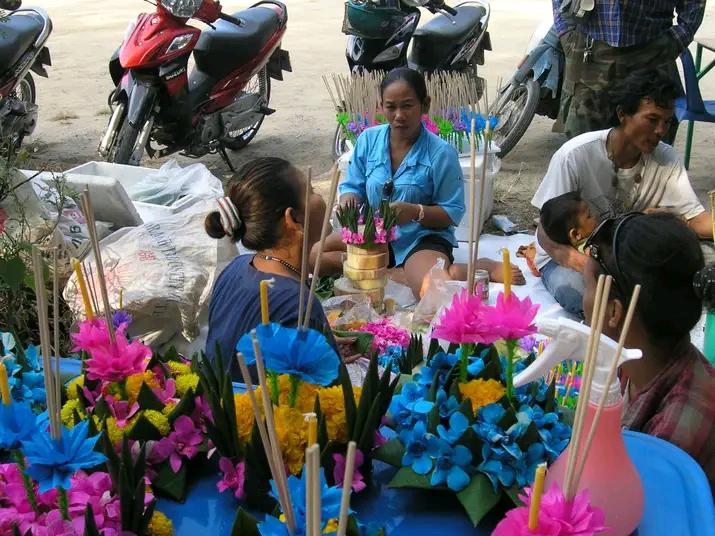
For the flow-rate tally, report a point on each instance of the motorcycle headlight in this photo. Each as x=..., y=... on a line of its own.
x=182, y=8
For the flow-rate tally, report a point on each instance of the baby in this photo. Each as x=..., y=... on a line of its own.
x=566, y=219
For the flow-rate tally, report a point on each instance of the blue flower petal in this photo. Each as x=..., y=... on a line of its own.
x=457, y=478
x=422, y=465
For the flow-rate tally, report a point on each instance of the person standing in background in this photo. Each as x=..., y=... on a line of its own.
x=609, y=41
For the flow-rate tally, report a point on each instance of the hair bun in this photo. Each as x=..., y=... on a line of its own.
x=213, y=225
x=704, y=285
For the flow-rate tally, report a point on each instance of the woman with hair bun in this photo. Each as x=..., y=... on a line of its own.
x=265, y=211
x=670, y=391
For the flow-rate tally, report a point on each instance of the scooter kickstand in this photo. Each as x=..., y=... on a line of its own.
x=224, y=157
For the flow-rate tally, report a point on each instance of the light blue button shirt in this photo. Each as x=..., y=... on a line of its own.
x=430, y=174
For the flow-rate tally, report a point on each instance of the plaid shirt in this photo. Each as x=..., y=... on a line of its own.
x=624, y=23
x=679, y=406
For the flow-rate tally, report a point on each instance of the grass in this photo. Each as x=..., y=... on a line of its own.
x=65, y=116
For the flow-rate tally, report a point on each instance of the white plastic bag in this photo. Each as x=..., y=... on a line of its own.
x=166, y=270
x=171, y=182
x=439, y=293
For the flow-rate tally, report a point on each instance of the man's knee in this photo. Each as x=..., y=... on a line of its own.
x=570, y=298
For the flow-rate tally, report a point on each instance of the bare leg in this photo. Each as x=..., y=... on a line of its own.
x=496, y=272
x=334, y=253
x=417, y=269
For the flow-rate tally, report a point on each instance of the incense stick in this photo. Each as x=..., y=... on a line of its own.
x=91, y=227
x=347, y=488
x=321, y=246
x=281, y=483
x=472, y=208
x=308, y=468
x=305, y=252
x=44, y=330
x=89, y=277
x=56, y=324
x=259, y=421
x=481, y=193
x=609, y=380
x=585, y=391
x=313, y=482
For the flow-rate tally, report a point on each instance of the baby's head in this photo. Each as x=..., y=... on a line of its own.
x=566, y=219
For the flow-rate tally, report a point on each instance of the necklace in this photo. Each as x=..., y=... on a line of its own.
x=612, y=157
x=281, y=261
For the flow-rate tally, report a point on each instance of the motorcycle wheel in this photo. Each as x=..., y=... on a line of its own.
x=339, y=143
x=260, y=83
x=515, y=114
x=121, y=151
x=24, y=92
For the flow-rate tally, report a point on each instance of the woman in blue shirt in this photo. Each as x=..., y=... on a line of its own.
x=420, y=174
x=265, y=210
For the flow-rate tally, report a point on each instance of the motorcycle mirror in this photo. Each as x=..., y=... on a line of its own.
x=10, y=5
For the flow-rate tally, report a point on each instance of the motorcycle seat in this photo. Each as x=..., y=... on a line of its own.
x=17, y=36
x=225, y=48
x=454, y=29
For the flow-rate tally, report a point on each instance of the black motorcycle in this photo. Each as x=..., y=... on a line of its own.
x=23, y=33
x=380, y=33
x=535, y=88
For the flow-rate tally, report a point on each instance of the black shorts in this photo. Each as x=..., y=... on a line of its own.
x=430, y=243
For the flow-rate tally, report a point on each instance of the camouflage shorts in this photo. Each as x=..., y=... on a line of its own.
x=585, y=105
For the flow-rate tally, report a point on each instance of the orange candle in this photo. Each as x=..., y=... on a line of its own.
x=312, y=430
x=536, y=493
x=82, y=284
x=507, y=272
x=4, y=385
x=264, y=284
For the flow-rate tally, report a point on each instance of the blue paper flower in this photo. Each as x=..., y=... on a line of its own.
x=302, y=353
x=458, y=424
x=17, y=423
x=329, y=506
x=447, y=406
x=52, y=463
x=391, y=357
x=451, y=464
x=555, y=439
x=416, y=455
x=437, y=369
x=409, y=406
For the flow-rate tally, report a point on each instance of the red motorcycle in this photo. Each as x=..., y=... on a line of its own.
x=158, y=107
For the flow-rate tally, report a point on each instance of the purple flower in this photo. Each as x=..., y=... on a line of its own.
x=183, y=442
x=234, y=477
x=121, y=318
x=339, y=472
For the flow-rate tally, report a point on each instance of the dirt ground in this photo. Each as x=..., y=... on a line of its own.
x=73, y=109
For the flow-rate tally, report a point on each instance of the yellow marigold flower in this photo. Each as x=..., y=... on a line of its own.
x=72, y=387
x=482, y=392
x=67, y=412
x=170, y=406
x=305, y=401
x=244, y=416
x=158, y=420
x=292, y=436
x=332, y=404
x=331, y=526
x=135, y=381
x=186, y=382
x=178, y=369
x=115, y=433
x=160, y=525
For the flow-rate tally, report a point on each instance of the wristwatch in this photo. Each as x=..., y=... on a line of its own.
x=421, y=215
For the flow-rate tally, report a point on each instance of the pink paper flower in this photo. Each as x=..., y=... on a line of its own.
x=234, y=477
x=557, y=516
x=346, y=235
x=339, y=472
x=109, y=361
x=513, y=318
x=379, y=223
x=121, y=410
x=466, y=320
x=357, y=239
x=386, y=335
x=183, y=442
x=429, y=124
x=381, y=237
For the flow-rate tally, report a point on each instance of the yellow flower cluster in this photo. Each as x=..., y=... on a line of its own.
x=305, y=400
x=244, y=416
x=115, y=433
x=170, y=406
x=482, y=392
x=67, y=412
x=292, y=436
x=72, y=387
x=331, y=527
x=185, y=382
x=160, y=525
x=159, y=421
x=332, y=404
x=178, y=369
x=135, y=381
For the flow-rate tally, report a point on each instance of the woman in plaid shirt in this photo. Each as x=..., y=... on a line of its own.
x=670, y=392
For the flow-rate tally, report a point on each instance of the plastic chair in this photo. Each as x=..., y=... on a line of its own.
x=692, y=108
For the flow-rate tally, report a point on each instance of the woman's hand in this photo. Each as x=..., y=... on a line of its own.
x=348, y=351
x=407, y=212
